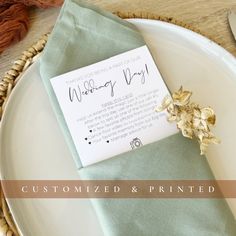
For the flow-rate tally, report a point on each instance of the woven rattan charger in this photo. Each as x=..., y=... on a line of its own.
x=10, y=79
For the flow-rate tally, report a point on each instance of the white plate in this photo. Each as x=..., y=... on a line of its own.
x=32, y=146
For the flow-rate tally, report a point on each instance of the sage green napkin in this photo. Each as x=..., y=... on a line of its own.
x=83, y=35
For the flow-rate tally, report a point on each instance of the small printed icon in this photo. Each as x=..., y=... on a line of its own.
x=136, y=143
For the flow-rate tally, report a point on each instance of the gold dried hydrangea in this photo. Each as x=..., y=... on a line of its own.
x=192, y=120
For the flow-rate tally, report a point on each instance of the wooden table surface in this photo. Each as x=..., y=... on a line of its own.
x=208, y=16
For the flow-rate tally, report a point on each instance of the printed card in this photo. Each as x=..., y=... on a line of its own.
x=109, y=106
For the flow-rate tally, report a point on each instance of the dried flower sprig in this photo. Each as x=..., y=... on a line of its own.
x=192, y=120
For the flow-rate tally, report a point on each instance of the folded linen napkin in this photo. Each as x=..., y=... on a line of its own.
x=84, y=35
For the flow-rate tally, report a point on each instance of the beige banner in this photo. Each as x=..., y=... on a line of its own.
x=119, y=188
